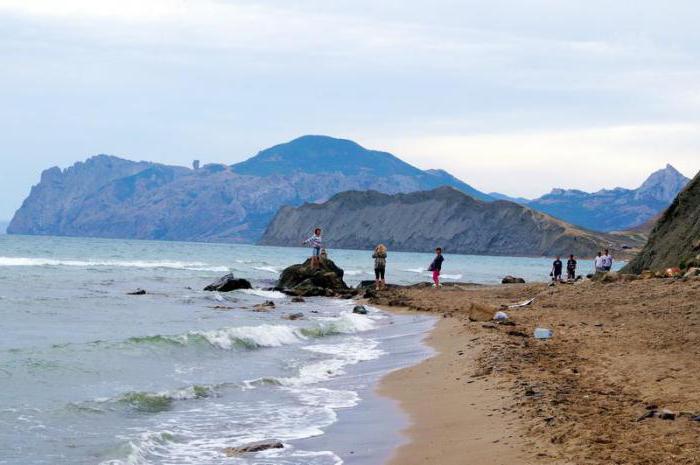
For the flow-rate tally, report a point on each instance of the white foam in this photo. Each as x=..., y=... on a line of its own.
x=347, y=353
x=415, y=270
x=451, y=276
x=258, y=336
x=269, y=269
x=354, y=272
x=317, y=397
x=177, y=265
x=264, y=293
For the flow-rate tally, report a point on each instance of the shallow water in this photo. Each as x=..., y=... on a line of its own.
x=91, y=375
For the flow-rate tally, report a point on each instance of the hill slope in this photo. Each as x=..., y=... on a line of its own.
x=614, y=209
x=111, y=197
x=676, y=237
x=444, y=217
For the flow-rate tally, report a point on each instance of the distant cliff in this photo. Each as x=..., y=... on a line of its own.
x=106, y=196
x=675, y=239
x=442, y=217
x=613, y=209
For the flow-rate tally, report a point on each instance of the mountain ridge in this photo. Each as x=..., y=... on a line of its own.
x=107, y=196
x=615, y=209
x=420, y=221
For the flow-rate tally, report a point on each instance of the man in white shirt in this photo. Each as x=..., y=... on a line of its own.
x=607, y=261
x=598, y=263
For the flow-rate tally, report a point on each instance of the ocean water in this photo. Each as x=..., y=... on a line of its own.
x=91, y=375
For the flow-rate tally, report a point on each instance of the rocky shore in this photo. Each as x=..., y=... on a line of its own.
x=615, y=382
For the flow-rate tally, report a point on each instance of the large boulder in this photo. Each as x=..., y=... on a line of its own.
x=512, y=280
x=305, y=280
x=228, y=283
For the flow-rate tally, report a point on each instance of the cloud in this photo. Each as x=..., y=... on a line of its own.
x=531, y=163
x=521, y=84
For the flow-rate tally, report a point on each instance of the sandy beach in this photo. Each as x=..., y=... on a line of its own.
x=623, y=357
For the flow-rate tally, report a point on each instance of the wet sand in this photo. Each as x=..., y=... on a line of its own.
x=495, y=395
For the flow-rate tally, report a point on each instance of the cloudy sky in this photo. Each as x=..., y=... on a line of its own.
x=516, y=96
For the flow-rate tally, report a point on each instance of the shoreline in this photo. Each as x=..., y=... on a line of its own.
x=451, y=414
x=611, y=385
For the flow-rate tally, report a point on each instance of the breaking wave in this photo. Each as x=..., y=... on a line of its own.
x=175, y=265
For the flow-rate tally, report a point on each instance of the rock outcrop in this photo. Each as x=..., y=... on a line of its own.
x=107, y=196
x=675, y=240
x=443, y=217
x=228, y=283
x=253, y=447
x=308, y=281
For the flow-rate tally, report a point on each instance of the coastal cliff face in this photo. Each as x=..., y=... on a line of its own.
x=443, y=217
x=675, y=240
x=613, y=209
x=107, y=196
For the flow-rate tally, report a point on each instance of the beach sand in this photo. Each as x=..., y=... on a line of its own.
x=495, y=395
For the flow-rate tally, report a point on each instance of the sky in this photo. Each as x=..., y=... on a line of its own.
x=513, y=96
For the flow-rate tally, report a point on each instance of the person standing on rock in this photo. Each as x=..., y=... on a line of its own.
x=556, y=269
x=379, y=256
x=436, y=267
x=607, y=261
x=571, y=268
x=316, y=242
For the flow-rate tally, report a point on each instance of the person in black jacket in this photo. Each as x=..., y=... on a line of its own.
x=556, y=269
x=436, y=267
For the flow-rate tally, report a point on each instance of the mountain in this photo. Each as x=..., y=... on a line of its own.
x=323, y=155
x=3, y=226
x=445, y=217
x=107, y=196
x=498, y=196
x=614, y=209
x=675, y=240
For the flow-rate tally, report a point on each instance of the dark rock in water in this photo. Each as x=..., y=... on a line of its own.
x=137, y=292
x=512, y=280
x=253, y=447
x=360, y=310
x=367, y=284
x=294, y=316
x=228, y=283
x=298, y=299
x=307, y=281
x=370, y=294
x=265, y=306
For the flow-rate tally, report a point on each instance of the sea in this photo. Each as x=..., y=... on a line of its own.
x=90, y=375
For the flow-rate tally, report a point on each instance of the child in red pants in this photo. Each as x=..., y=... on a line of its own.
x=436, y=266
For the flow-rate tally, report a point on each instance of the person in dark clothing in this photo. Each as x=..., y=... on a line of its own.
x=556, y=269
x=436, y=267
x=571, y=268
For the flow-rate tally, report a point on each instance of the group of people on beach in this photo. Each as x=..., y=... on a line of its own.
x=602, y=263
x=379, y=255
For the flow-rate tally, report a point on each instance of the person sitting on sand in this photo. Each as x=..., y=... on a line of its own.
x=379, y=256
x=556, y=269
x=598, y=263
x=316, y=242
x=436, y=267
x=607, y=261
x=571, y=268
